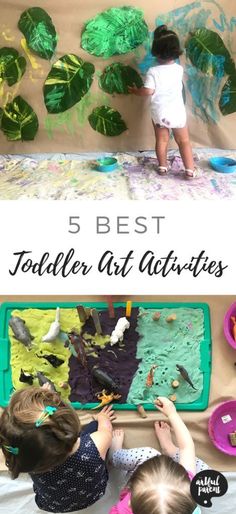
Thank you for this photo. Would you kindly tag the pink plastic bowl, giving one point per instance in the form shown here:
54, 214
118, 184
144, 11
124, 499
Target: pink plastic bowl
228, 325
219, 431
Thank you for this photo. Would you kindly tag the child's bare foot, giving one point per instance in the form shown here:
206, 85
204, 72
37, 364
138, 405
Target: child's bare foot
117, 441
162, 430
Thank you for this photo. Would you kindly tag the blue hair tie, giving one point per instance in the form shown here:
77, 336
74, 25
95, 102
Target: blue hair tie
48, 411
197, 510
11, 449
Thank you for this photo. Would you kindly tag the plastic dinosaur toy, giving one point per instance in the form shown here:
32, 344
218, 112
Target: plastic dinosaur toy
185, 375
150, 376
106, 398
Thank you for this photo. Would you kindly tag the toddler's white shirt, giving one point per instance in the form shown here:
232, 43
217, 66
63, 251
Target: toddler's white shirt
167, 105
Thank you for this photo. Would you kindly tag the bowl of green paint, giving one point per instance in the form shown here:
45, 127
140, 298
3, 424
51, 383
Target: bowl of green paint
106, 164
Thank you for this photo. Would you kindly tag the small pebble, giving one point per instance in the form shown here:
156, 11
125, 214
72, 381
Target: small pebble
175, 383
156, 316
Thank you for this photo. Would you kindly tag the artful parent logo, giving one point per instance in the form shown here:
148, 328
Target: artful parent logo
207, 484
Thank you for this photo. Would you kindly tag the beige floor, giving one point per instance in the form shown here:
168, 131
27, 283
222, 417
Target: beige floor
139, 432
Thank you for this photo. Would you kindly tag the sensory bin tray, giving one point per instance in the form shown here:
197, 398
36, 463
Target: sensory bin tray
200, 403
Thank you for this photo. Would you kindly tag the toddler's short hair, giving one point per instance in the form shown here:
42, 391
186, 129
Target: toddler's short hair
165, 44
161, 486
42, 448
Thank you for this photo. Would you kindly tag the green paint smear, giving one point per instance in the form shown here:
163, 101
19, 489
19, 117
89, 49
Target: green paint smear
167, 344
117, 77
38, 321
39, 31
62, 121
115, 31
83, 108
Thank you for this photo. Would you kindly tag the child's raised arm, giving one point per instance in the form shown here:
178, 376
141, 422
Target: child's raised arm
103, 436
140, 91
183, 437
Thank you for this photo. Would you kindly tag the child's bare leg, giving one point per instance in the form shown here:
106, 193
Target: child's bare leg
162, 139
163, 433
181, 136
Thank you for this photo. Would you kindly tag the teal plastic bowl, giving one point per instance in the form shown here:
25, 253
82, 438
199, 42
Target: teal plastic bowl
223, 164
106, 164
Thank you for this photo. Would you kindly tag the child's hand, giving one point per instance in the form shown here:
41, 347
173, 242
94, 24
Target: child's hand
47, 387
165, 405
106, 413
133, 89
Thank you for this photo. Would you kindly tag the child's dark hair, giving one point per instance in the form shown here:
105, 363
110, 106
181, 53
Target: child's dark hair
166, 44
161, 486
42, 448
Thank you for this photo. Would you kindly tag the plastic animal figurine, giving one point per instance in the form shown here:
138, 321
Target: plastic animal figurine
21, 331
104, 379
171, 317
150, 376
25, 377
106, 398
76, 344
52, 359
185, 375
118, 333
44, 380
233, 319
54, 328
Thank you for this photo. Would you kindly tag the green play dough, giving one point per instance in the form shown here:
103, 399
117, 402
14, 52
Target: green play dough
38, 321
167, 344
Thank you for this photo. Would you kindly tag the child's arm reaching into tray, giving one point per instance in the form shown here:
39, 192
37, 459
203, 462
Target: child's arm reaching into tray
183, 437
103, 436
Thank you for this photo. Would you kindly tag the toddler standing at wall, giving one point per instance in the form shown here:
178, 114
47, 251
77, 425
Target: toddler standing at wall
164, 84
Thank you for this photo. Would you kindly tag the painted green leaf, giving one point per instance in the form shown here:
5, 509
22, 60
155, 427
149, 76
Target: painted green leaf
117, 77
206, 51
19, 121
115, 31
12, 65
107, 121
68, 81
227, 101
39, 31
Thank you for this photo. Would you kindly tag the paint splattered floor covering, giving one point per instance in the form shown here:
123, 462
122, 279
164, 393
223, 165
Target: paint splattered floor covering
146, 343
71, 176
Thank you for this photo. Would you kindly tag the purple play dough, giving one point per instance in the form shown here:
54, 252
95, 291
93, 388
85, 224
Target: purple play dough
121, 369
